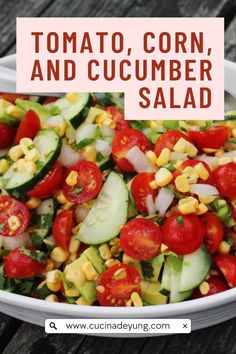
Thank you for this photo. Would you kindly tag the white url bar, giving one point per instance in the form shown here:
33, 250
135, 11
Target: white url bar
118, 326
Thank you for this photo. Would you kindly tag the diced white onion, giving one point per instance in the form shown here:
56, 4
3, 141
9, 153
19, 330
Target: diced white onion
203, 189
177, 156
107, 131
69, 156
54, 121
211, 161
163, 200
229, 154
194, 128
150, 205
140, 161
21, 240
86, 131
103, 147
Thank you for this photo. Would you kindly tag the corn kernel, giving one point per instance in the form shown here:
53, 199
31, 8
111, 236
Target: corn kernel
14, 222
4, 166
90, 153
72, 97
54, 287
76, 229
180, 146
26, 144
126, 259
137, 301
201, 209
163, 158
128, 303
72, 257
153, 184
191, 150
32, 155
60, 197
191, 174
58, 254
219, 152
89, 271
13, 111
33, 203
74, 245
72, 292
178, 164
120, 274
72, 178
76, 276
67, 206
224, 160
110, 262
233, 132
30, 167
224, 247
206, 199
20, 165
15, 153
41, 285
204, 288
163, 248
49, 266
181, 183
100, 289
202, 171
53, 276
82, 301
52, 298
60, 129
209, 150
188, 205
152, 156
105, 252
163, 177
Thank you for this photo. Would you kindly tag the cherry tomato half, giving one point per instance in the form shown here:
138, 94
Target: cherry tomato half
227, 265
49, 184
11, 97
193, 163
214, 231
118, 117
7, 135
116, 291
141, 238
29, 126
18, 265
61, 228
212, 138
217, 285
140, 189
224, 178
183, 234
123, 141
11, 207
89, 182
168, 140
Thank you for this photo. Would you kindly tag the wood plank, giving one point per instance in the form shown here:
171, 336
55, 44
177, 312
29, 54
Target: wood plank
8, 327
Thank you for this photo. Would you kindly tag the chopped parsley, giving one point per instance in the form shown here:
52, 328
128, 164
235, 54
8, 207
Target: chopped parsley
99, 157
36, 255
83, 143
76, 191
30, 147
180, 220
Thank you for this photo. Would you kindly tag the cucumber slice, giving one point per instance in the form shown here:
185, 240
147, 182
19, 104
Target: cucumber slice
7, 118
195, 268
166, 277
48, 144
175, 294
74, 113
41, 111
108, 214
42, 221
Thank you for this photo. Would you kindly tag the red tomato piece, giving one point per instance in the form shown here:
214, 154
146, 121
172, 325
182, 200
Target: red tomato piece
49, 184
50, 100
11, 207
7, 135
141, 238
123, 141
61, 228
168, 140
217, 285
29, 126
118, 291
18, 265
193, 163
89, 182
224, 178
140, 189
227, 265
212, 138
214, 231
11, 97
183, 234
118, 118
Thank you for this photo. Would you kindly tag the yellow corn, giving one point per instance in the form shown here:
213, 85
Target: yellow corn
13, 111
137, 301
153, 184
52, 298
53, 276
4, 166
188, 205
90, 153
219, 152
30, 167
110, 262
32, 155
76, 229
82, 301
233, 132
58, 254
54, 287
60, 197
206, 199
105, 252
152, 156
204, 288
60, 129
14, 222
163, 177
20, 165
89, 271
191, 174
100, 289
67, 206
74, 245
202, 171
181, 183
201, 209
72, 178
163, 248
163, 158
50, 265
72, 97
15, 153
72, 292
224, 247
25, 144
126, 259
120, 274
209, 150
191, 150
76, 276
33, 203
224, 160
180, 146
128, 303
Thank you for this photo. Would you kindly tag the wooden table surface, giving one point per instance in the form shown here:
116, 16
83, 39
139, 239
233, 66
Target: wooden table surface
20, 337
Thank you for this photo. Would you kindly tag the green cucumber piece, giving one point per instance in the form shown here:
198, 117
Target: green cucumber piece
108, 214
40, 110
175, 294
5, 117
166, 277
195, 269
48, 144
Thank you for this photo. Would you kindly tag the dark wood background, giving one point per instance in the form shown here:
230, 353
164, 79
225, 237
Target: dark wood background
20, 337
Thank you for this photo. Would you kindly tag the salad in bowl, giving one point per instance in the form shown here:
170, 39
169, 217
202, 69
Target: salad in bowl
97, 210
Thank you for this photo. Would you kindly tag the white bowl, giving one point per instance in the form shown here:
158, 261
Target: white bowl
203, 312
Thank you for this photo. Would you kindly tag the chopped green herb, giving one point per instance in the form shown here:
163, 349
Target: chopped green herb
180, 220
30, 147
39, 164
1, 227
99, 156
230, 241
76, 191
83, 143
55, 110
107, 138
160, 220
170, 166
38, 256
137, 124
